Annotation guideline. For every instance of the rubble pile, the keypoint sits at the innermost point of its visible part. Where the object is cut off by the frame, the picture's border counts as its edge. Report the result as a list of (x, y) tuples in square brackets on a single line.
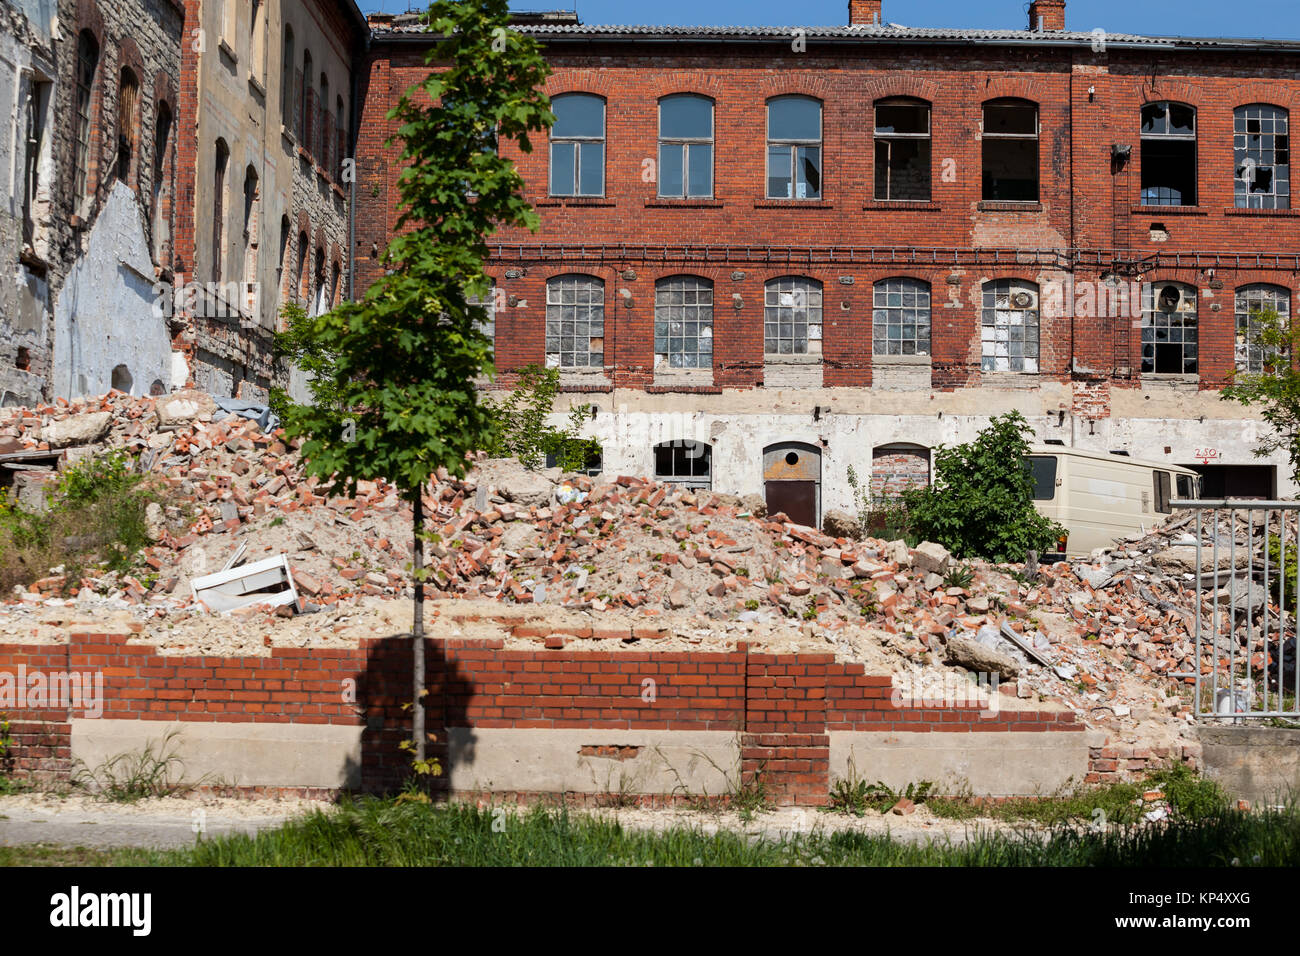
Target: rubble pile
[(618, 562)]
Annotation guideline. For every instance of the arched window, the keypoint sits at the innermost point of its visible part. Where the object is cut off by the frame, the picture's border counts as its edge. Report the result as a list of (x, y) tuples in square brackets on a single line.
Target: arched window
[(336, 284), (1168, 154), (256, 35), (1010, 148), (794, 148), (162, 170), (903, 150), (282, 270), (1009, 326), (305, 136), (575, 322), (685, 463), (792, 316), (252, 204), (1169, 329), (1255, 304), (901, 318), (578, 145), (684, 323), (685, 146), (341, 132), (287, 85), (128, 125), (300, 273), (322, 148), (1262, 145), (87, 64), (219, 208), (318, 279)]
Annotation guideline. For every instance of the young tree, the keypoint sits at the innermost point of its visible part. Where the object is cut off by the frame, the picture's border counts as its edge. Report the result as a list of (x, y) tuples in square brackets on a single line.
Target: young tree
[(981, 503), (406, 355), (1275, 389)]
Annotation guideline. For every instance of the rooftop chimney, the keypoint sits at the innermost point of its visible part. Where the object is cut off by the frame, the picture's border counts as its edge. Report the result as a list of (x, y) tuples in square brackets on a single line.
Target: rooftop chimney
[(1047, 15), (863, 13)]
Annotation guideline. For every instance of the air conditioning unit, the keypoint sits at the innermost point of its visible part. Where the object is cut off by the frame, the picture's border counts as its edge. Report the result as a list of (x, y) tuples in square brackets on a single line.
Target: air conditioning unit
[(1023, 300)]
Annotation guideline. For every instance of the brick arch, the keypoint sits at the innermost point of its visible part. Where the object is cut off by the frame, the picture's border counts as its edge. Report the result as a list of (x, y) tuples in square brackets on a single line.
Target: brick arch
[(682, 81), (128, 55), (1174, 91), (894, 85), (581, 81), (89, 18), (1264, 91), (1011, 87), (799, 84), (718, 275), (164, 91)]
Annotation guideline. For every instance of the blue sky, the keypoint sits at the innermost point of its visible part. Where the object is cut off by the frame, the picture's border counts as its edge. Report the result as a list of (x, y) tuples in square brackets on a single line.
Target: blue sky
[(1277, 19)]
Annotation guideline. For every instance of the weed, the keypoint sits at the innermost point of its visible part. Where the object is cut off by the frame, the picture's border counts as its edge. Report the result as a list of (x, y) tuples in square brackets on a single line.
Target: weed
[(959, 576), (152, 771), (751, 605)]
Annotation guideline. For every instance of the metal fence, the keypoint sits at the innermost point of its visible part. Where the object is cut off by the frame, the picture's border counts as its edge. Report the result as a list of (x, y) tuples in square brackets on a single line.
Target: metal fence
[(1247, 580)]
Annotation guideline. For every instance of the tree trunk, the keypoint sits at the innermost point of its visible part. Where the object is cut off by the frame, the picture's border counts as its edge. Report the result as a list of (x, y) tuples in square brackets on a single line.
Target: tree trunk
[(417, 632)]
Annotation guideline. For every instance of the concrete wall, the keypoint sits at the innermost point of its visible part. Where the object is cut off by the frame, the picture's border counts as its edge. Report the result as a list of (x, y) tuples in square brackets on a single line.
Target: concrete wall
[(986, 765), (229, 754), (105, 316), (1259, 764)]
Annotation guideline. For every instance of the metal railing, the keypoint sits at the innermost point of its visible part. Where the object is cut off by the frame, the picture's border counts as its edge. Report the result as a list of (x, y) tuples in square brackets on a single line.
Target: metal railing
[(1248, 629)]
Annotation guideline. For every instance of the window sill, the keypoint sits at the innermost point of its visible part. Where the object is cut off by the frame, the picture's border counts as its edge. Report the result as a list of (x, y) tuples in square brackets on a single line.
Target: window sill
[(304, 155), (227, 50), (911, 360), (1170, 378), (338, 190), (287, 134), (256, 85), (792, 359), (793, 204), (597, 202), (1023, 379), (683, 203), (1002, 205), (683, 389), (597, 388), (1169, 211), (1265, 213), (902, 205)]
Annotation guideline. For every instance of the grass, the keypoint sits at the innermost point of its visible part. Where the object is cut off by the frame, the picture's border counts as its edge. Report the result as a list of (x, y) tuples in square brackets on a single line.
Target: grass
[(376, 832), (152, 771)]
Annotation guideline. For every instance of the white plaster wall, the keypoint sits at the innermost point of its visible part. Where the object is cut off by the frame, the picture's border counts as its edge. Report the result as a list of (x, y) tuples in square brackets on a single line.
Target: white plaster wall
[(104, 316)]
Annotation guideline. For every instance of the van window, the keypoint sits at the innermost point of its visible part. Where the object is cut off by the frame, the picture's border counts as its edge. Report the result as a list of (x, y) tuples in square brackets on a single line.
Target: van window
[(1043, 473), (1186, 491), (1162, 488)]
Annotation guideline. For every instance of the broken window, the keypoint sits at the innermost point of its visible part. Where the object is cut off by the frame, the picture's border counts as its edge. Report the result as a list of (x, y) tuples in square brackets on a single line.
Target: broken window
[(685, 146), (794, 148), (1010, 146), (686, 463), (903, 150), (792, 317), (488, 324), (684, 323), (578, 145), (87, 62), (282, 264), (128, 105), (1168, 155), (318, 278), (1262, 145), (251, 229), (575, 322), (219, 209), (1169, 329), (901, 321), (1255, 305), (38, 97), (1009, 327), (162, 184)]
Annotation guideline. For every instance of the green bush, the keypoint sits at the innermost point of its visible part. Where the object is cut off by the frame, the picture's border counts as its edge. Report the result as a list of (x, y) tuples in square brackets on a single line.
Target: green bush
[(981, 503), (522, 431)]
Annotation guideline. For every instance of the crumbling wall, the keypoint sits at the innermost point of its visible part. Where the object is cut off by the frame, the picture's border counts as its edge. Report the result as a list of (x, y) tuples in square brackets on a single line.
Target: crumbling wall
[(108, 330)]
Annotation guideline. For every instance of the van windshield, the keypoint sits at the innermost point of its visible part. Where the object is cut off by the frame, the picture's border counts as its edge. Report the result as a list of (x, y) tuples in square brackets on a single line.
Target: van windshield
[(1042, 471)]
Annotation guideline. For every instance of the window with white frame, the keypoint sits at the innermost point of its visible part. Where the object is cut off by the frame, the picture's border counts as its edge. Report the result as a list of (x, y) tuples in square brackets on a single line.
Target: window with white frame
[(1010, 151), (792, 317), (684, 323), (1009, 327), (1169, 329), (575, 322), (685, 146), (901, 319), (1254, 304), (794, 148), (578, 145), (1262, 147)]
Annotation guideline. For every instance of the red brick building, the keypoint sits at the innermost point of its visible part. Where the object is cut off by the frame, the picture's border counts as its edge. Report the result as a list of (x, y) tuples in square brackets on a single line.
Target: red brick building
[(798, 250)]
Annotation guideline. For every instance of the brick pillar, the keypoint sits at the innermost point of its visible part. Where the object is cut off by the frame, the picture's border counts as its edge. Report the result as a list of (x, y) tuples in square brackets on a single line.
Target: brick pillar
[(785, 743)]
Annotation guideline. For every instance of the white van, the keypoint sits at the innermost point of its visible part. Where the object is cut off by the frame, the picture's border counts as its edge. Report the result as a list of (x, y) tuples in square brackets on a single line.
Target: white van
[(1100, 498)]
